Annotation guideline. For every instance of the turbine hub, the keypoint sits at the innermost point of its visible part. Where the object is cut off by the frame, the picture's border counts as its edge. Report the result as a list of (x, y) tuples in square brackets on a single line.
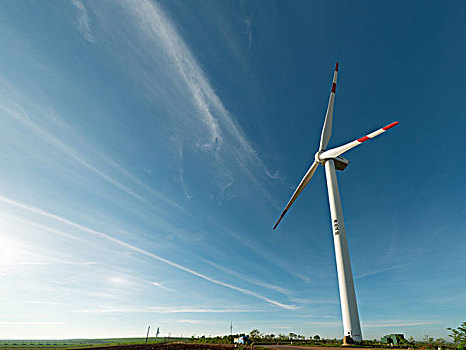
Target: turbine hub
[(317, 157)]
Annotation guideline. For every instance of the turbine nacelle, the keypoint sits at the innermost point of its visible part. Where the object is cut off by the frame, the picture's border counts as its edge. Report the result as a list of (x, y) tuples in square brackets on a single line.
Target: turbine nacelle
[(340, 162)]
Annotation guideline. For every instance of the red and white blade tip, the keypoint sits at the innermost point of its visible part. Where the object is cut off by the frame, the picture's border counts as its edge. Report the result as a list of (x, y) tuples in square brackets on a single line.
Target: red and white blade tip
[(389, 126), (336, 67), (377, 132)]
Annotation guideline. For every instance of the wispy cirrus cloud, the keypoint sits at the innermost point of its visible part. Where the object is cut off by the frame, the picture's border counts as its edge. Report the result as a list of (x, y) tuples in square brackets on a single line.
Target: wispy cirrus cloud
[(122, 278), (248, 279), (378, 271), (164, 310), (161, 286), (23, 323), (324, 323), (143, 252), (16, 106), (194, 115), (45, 302), (187, 321), (84, 23), (264, 255), (398, 323)]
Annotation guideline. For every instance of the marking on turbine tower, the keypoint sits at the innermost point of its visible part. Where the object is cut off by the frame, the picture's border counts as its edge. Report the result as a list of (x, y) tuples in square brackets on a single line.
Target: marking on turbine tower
[(336, 229)]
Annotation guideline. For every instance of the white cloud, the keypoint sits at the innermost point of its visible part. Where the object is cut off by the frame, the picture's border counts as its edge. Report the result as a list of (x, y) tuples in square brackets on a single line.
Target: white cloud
[(187, 321)]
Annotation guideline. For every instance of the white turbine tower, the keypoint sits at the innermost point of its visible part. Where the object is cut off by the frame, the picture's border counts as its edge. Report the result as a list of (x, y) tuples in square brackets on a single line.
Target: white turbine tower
[(332, 160)]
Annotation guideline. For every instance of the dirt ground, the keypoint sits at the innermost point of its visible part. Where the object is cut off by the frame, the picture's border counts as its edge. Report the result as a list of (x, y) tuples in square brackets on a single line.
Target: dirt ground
[(185, 346), (301, 347)]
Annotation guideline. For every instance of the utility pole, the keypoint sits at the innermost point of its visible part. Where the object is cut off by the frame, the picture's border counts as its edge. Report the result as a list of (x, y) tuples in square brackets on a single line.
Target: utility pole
[(231, 328), (147, 335)]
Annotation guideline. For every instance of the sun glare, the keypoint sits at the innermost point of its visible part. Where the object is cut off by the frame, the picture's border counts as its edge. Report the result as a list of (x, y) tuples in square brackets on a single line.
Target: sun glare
[(11, 252)]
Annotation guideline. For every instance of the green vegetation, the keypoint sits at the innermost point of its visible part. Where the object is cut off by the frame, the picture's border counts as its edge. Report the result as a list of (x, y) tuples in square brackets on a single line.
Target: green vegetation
[(226, 339), (258, 338), (459, 336), (76, 343)]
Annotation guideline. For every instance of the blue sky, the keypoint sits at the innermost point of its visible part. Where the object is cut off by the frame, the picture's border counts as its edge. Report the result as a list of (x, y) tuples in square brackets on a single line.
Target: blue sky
[(147, 148)]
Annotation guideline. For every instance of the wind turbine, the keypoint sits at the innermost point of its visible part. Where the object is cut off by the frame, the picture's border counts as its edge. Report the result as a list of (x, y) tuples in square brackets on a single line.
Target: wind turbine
[(331, 160)]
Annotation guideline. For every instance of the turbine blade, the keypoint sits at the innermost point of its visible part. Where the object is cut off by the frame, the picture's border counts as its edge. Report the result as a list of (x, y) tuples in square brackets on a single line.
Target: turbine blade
[(335, 152), (299, 189), (327, 128)]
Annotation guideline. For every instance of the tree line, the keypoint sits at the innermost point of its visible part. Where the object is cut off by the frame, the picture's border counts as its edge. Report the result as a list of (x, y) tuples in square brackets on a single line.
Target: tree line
[(457, 334)]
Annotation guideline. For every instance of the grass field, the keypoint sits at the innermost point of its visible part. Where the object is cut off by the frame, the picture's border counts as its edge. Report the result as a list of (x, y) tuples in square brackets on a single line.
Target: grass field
[(76, 343)]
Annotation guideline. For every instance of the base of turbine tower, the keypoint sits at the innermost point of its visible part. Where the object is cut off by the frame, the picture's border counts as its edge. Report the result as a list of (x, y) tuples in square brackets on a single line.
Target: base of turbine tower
[(348, 341)]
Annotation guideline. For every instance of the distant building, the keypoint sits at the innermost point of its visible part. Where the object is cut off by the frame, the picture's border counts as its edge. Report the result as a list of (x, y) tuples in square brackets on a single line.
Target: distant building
[(242, 340), (394, 339)]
